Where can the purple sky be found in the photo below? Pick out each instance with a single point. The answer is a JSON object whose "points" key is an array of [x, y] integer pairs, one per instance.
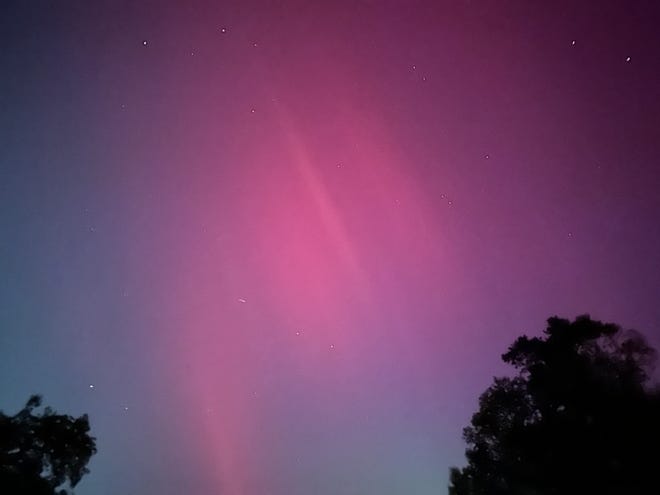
{"points": [[279, 247]]}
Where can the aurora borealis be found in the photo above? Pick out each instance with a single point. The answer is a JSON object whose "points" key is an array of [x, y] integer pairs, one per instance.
{"points": [[278, 247]]}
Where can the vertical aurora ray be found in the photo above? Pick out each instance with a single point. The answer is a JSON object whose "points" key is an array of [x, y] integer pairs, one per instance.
{"points": [[297, 327]]}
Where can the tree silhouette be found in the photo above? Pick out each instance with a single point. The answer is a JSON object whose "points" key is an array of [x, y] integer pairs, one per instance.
{"points": [[579, 418], [43, 453]]}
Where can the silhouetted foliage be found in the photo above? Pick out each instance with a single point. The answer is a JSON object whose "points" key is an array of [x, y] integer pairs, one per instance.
{"points": [[579, 417], [43, 453]]}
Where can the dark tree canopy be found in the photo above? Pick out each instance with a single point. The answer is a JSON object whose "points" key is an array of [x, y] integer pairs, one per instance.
{"points": [[580, 417], [42, 453]]}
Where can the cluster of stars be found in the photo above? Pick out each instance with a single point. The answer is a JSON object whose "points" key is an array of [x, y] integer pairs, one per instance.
{"points": [[298, 333], [414, 68], [574, 42]]}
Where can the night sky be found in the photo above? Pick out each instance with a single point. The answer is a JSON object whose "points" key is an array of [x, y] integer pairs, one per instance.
{"points": [[277, 248]]}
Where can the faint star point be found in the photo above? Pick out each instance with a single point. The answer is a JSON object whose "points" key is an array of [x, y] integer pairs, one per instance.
{"points": [[241, 300]]}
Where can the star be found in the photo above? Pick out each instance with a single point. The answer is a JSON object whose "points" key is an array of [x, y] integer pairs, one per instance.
{"points": [[145, 42], [627, 59], [241, 300], [91, 386], [223, 30], [332, 347], [573, 43]]}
